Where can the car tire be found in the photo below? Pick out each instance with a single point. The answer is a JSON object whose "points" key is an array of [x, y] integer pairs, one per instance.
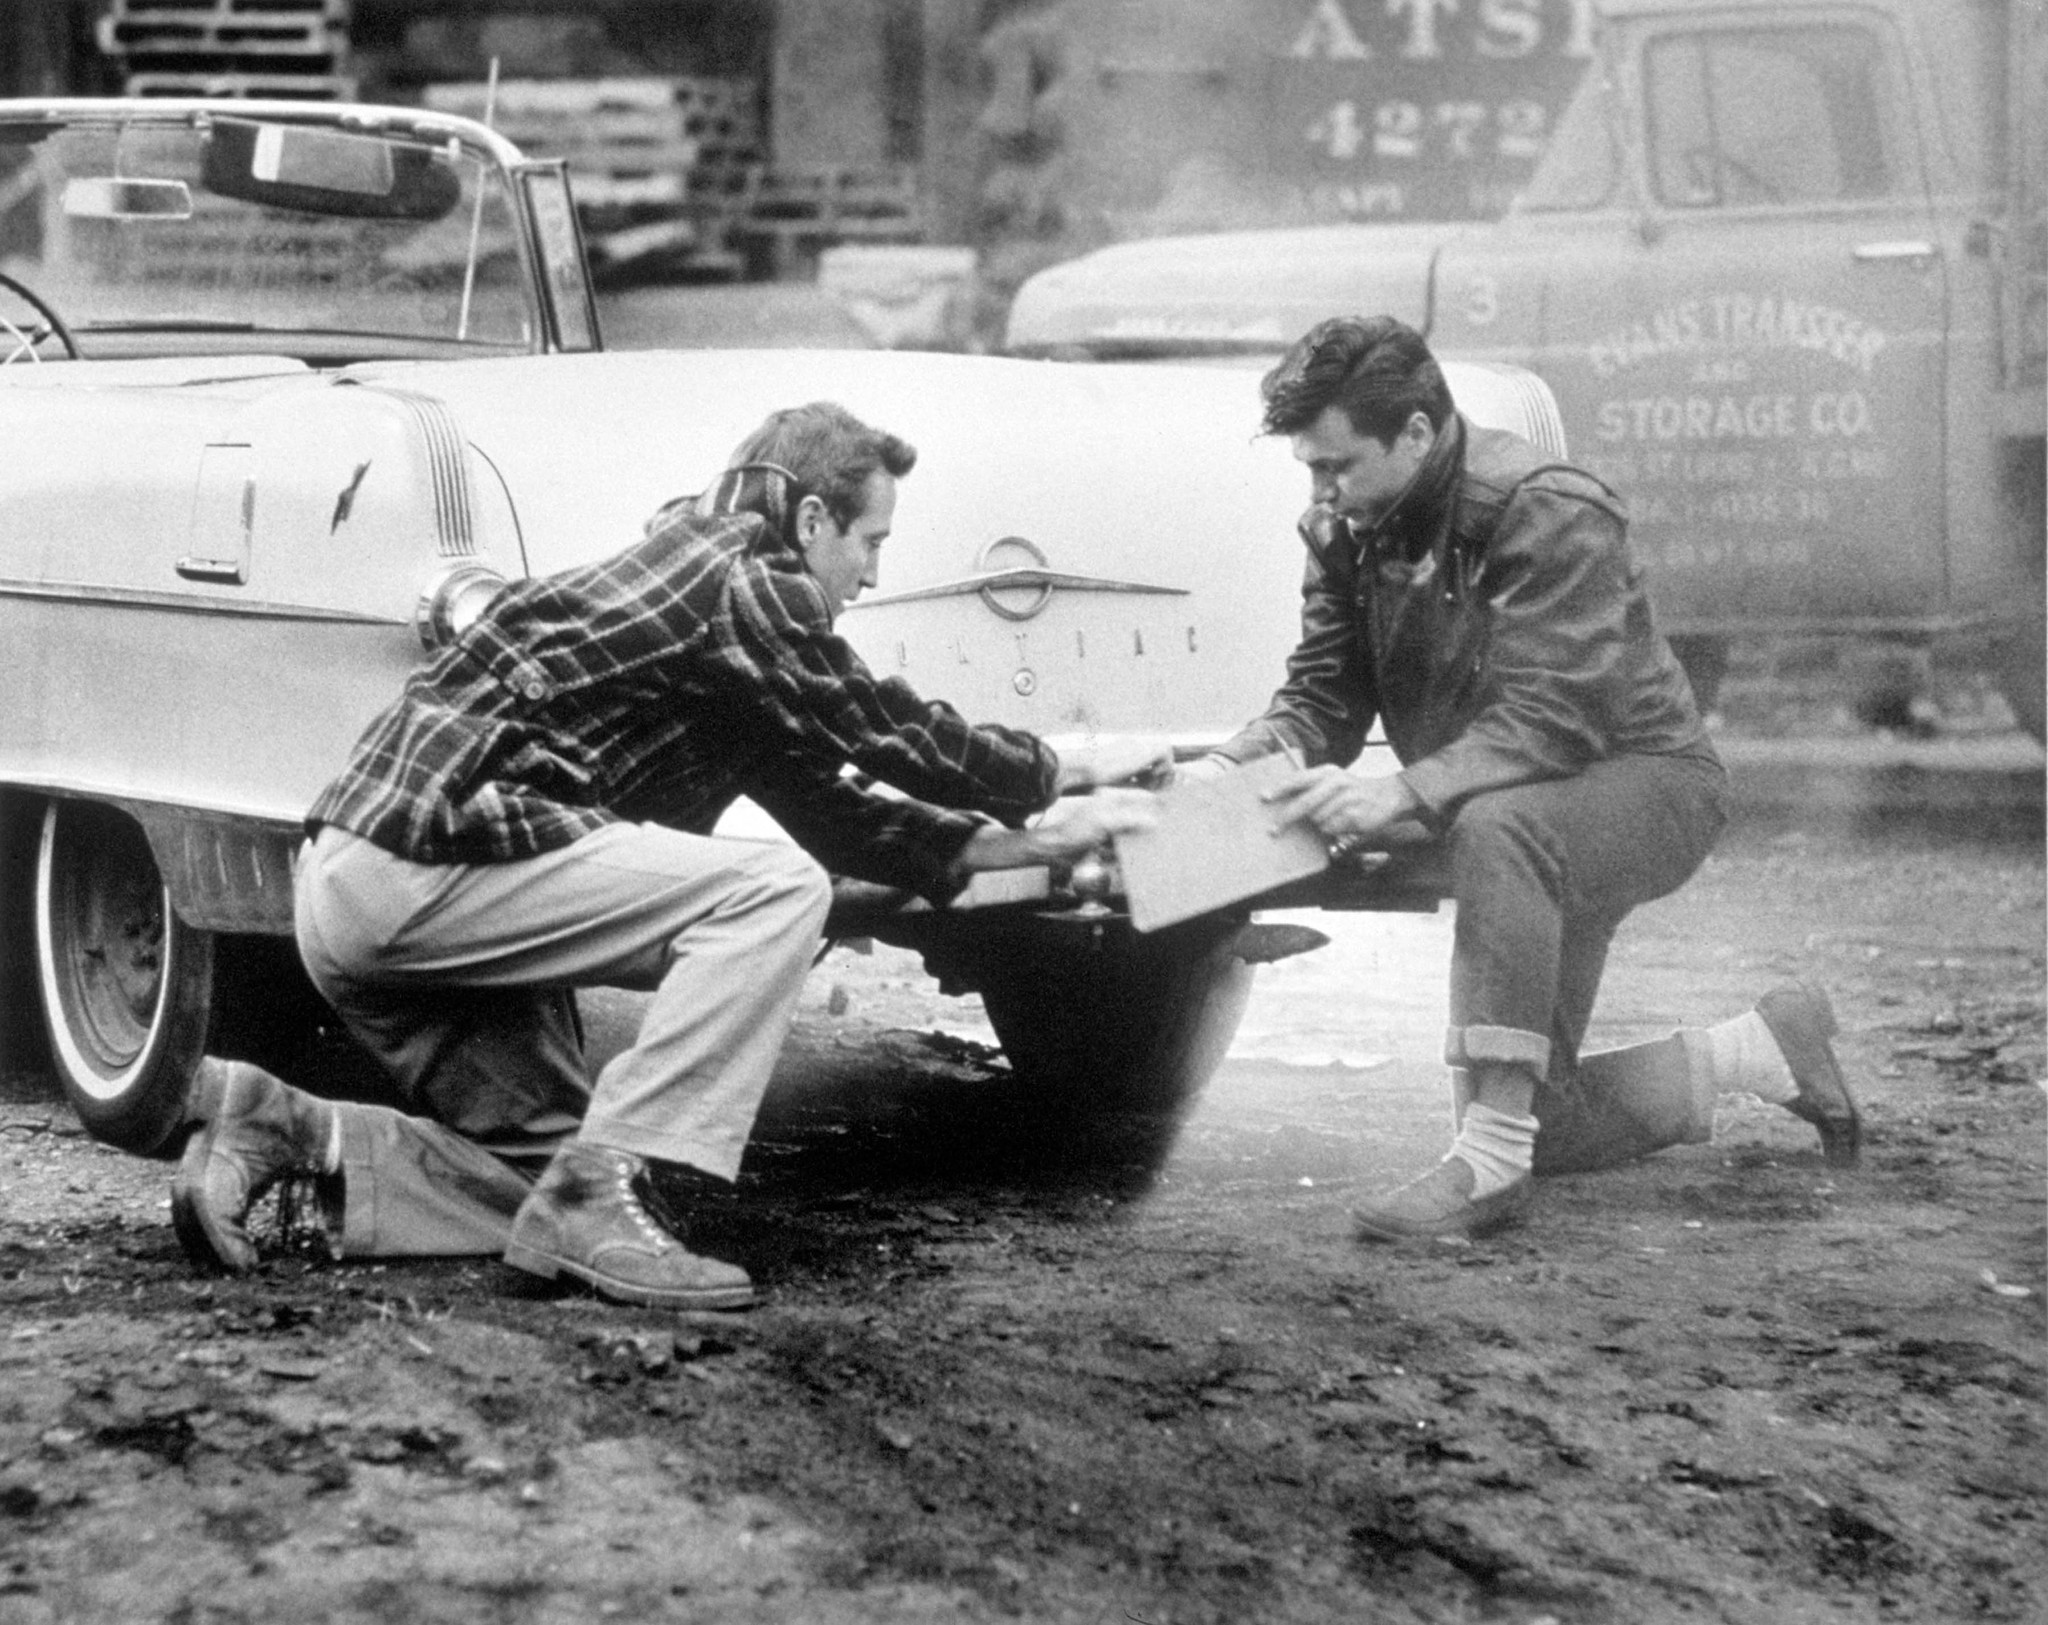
{"points": [[1108, 1020], [24, 1045], [126, 986]]}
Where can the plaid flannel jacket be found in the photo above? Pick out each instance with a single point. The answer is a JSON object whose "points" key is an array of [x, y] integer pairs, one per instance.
{"points": [[659, 685]]}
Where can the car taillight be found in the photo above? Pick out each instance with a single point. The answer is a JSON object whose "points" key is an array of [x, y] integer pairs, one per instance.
{"points": [[453, 600]]}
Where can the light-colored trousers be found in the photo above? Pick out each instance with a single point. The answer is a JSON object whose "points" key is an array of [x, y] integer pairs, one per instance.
{"points": [[457, 978]]}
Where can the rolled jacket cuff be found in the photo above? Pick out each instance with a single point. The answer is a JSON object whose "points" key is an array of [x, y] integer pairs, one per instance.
{"points": [[1504, 1046]]}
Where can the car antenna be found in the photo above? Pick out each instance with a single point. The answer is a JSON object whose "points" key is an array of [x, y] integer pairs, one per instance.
{"points": [[476, 213]]}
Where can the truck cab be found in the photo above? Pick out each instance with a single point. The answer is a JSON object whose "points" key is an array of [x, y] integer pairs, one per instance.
{"points": [[1782, 266]]}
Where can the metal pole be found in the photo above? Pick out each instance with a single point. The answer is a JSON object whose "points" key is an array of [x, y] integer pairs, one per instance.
{"points": [[476, 215]]}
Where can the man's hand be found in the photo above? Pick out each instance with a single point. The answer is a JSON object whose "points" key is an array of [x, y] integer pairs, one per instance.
{"points": [[1064, 834], [1077, 825], [1104, 759], [1202, 768], [1350, 813]]}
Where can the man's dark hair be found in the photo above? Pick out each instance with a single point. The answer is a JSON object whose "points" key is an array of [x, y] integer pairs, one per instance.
{"points": [[1377, 369], [829, 453]]}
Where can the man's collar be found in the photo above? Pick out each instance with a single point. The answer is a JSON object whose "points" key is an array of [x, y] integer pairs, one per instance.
{"points": [[688, 513], [1411, 520]]}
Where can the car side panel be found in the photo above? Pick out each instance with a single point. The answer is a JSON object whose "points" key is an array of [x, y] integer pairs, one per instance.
{"points": [[205, 594]]}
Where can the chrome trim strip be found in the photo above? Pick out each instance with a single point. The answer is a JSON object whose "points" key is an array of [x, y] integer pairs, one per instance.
{"points": [[122, 794], [136, 598], [1023, 576], [454, 523], [1539, 407]]}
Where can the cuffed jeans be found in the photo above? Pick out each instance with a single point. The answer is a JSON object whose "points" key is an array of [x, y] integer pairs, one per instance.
{"points": [[1542, 875], [457, 978]]}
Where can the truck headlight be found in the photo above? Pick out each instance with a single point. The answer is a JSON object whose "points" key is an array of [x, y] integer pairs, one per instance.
{"points": [[451, 600]]}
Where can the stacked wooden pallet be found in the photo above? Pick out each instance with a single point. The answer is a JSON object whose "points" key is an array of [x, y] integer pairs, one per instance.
{"points": [[799, 211], [298, 49], [661, 168]]}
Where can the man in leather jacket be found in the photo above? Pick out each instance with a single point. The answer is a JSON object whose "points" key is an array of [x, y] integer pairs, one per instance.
{"points": [[1480, 601]]}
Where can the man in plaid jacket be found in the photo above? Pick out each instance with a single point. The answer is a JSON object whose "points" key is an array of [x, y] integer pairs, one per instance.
{"points": [[533, 814]]}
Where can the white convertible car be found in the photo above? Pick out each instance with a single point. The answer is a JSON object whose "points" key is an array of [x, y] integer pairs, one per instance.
{"points": [[287, 389]]}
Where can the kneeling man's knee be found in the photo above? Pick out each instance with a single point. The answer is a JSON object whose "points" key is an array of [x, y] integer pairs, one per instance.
{"points": [[797, 877], [1487, 823], [1496, 838]]}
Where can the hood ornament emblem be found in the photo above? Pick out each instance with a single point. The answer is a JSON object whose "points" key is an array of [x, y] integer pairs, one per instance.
{"points": [[1011, 577]]}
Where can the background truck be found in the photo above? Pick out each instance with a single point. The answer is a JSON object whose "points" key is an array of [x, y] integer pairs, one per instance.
{"points": [[1104, 120], [1785, 268]]}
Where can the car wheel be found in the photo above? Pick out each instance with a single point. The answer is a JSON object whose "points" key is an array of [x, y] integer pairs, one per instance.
{"points": [[24, 1046], [1112, 1020], [126, 985]]}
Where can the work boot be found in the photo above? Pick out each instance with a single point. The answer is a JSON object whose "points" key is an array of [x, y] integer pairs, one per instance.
{"points": [[259, 1132], [1440, 1205], [1803, 1021], [588, 1217]]}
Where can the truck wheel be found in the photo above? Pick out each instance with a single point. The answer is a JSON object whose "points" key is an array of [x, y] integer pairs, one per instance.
{"points": [[126, 985], [1117, 1021]]}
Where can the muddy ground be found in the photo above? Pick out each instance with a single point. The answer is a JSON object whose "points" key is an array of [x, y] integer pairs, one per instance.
{"points": [[1102, 1374]]}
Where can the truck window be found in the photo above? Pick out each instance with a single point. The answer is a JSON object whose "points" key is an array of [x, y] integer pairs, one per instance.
{"points": [[1764, 116]]}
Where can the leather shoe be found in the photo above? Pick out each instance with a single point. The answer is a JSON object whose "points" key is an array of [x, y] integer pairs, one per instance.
{"points": [[1802, 1021], [259, 1131], [1440, 1204], [588, 1217]]}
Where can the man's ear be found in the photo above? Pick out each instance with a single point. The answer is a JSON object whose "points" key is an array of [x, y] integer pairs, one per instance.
{"points": [[1420, 431], [811, 519]]}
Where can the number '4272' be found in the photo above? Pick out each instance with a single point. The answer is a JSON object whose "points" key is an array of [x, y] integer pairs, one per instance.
{"points": [[1464, 130]]}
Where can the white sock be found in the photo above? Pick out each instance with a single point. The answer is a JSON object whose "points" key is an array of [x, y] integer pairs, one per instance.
{"points": [[331, 1162], [1745, 1059], [1499, 1147]]}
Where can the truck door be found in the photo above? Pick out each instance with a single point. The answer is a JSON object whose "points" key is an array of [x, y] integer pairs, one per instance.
{"points": [[1750, 345]]}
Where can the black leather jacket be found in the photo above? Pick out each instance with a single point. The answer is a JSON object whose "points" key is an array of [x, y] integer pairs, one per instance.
{"points": [[1494, 620]]}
